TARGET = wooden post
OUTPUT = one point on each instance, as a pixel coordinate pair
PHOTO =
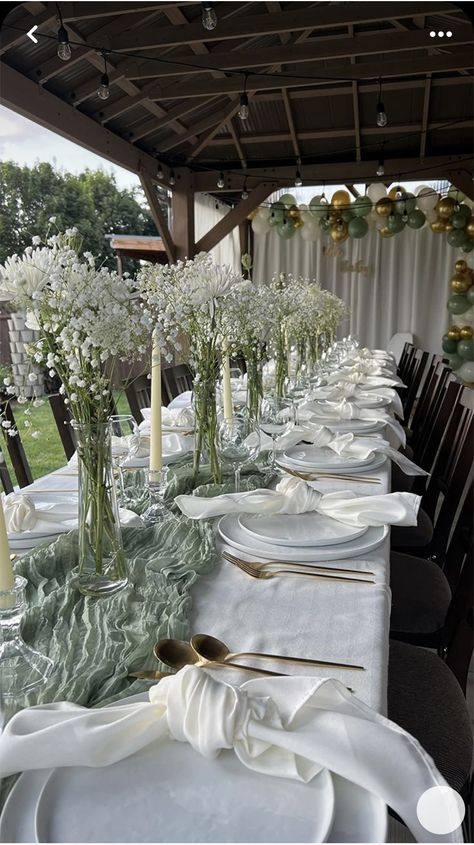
(182, 213)
(244, 237)
(234, 217)
(158, 216)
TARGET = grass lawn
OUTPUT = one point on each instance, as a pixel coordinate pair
(46, 453)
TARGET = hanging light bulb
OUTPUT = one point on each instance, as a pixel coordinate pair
(208, 16)
(159, 173)
(382, 118)
(244, 106)
(172, 179)
(381, 168)
(298, 179)
(220, 181)
(104, 90)
(244, 195)
(64, 47)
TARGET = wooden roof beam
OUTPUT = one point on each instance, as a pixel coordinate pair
(424, 119)
(291, 123)
(158, 216)
(264, 24)
(237, 144)
(235, 216)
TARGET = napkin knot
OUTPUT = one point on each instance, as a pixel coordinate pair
(208, 714)
(20, 512)
(299, 496)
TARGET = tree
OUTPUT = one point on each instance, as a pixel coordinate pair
(91, 200)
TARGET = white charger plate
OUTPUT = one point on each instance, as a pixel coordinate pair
(357, 426)
(232, 533)
(366, 401)
(303, 529)
(322, 458)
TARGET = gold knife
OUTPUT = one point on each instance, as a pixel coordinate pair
(150, 675)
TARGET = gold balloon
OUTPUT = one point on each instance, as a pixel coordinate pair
(384, 207)
(470, 227)
(339, 233)
(397, 189)
(448, 227)
(386, 233)
(454, 333)
(438, 226)
(252, 214)
(294, 212)
(460, 282)
(445, 207)
(461, 266)
(298, 224)
(340, 198)
(466, 332)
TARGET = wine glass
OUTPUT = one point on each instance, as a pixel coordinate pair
(238, 441)
(277, 417)
(125, 436)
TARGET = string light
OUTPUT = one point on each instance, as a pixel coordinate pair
(208, 16)
(64, 47)
(220, 181)
(244, 195)
(298, 179)
(382, 118)
(244, 102)
(159, 173)
(172, 179)
(381, 166)
(104, 90)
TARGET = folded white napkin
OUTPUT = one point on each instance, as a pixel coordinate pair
(359, 393)
(290, 727)
(23, 515)
(183, 416)
(347, 445)
(294, 495)
(173, 446)
(183, 400)
(328, 412)
(363, 379)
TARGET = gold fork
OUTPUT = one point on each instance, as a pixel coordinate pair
(321, 476)
(311, 567)
(263, 574)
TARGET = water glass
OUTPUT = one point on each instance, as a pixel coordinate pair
(277, 417)
(238, 441)
(125, 445)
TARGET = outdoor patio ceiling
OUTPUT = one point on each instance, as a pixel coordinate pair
(313, 74)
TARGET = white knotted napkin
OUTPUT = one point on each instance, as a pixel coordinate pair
(363, 379)
(294, 495)
(173, 446)
(327, 412)
(22, 515)
(347, 445)
(291, 727)
(358, 393)
(170, 417)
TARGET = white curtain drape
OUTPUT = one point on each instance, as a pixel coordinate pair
(405, 288)
(206, 215)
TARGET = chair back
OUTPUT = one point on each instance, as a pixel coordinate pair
(405, 357)
(418, 372)
(62, 418)
(397, 343)
(15, 449)
(138, 393)
(5, 477)
(177, 379)
(459, 571)
(428, 405)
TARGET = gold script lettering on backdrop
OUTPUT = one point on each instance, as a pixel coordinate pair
(343, 264)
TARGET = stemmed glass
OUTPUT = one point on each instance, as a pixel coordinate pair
(238, 441)
(125, 445)
(277, 417)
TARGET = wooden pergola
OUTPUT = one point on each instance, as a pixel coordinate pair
(313, 74)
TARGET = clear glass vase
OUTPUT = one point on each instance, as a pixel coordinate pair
(205, 411)
(254, 383)
(102, 569)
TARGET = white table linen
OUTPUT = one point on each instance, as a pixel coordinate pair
(333, 412)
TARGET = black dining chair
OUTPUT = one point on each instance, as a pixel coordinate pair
(62, 418)
(14, 445)
(177, 379)
(138, 393)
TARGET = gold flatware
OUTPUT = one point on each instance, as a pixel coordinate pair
(263, 564)
(13, 556)
(326, 476)
(249, 569)
(210, 648)
(150, 675)
(177, 653)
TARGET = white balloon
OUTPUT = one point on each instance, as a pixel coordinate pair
(263, 212)
(427, 199)
(307, 218)
(303, 207)
(260, 226)
(466, 372)
(431, 216)
(420, 188)
(466, 319)
(376, 192)
(310, 232)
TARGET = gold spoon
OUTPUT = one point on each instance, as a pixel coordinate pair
(210, 648)
(177, 653)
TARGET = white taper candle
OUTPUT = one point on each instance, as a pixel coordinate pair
(7, 578)
(155, 427)
(226, 388)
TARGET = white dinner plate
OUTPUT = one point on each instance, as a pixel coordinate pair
(231, 532)
(302, 529)
(357, 426)
(359, 815)
(367, 400)
(177, 429)
(21, 536)
(322, 458)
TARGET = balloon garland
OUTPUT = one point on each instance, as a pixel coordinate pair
(389, 213)
(458, 343)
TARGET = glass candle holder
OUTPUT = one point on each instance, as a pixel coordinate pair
(21, 667)
(156, 510)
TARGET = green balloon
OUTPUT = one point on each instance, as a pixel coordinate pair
(457, 303)
(449, 346)
(362, 206)
(456, 237)
(358, 227)
(277, 213)
(317, 208)
(461, 217)
(470, 295)
(405, 204)
(324, 224)
(416, 219)
(288, 199)
(455, 361)
(466, 349)
(454, 194)
(395, 223)
(348, 214)
(467, 246)
(286, 230)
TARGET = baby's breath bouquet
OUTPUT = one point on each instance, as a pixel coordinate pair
(189, 298)
(88, 319)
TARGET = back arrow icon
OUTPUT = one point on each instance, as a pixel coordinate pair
(30, 34)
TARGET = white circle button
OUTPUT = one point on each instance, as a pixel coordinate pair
(440, 810)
